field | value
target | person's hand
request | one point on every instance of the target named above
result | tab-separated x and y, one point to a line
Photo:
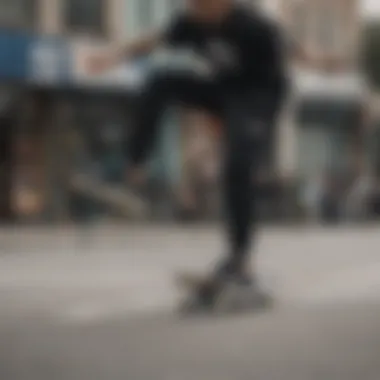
99	63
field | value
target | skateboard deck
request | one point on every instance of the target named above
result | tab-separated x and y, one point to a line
119	198
191	281
202	294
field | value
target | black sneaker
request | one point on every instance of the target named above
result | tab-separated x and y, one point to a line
238	290
228	270
226	294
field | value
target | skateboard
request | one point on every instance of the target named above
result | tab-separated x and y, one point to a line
119	198
205	295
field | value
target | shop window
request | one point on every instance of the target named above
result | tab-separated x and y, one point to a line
18	14
85	16
145	15
300	23
329	29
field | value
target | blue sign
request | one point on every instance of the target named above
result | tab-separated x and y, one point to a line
31	58
13	55
49	61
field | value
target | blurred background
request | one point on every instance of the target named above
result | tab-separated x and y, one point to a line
56	121
89	299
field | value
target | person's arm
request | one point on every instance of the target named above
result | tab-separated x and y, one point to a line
174	34
140	47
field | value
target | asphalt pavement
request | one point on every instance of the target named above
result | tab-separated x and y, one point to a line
99	303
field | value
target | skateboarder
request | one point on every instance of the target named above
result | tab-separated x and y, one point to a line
243	81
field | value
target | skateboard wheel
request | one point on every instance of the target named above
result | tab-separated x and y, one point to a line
193	305
236	299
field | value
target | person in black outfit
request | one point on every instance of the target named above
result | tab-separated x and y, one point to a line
243	81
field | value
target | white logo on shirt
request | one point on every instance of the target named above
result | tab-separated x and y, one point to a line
222	54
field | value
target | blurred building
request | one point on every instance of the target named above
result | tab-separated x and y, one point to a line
326	28
72	17
43	42
49	40
322	135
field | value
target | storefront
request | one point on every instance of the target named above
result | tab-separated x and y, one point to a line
329	134
373	135
40	126
100	112
13	72
7	115
330	147
61	122
28	64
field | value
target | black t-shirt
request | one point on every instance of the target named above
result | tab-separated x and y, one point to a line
245	51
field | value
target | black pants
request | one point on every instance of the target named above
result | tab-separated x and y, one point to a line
247	117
